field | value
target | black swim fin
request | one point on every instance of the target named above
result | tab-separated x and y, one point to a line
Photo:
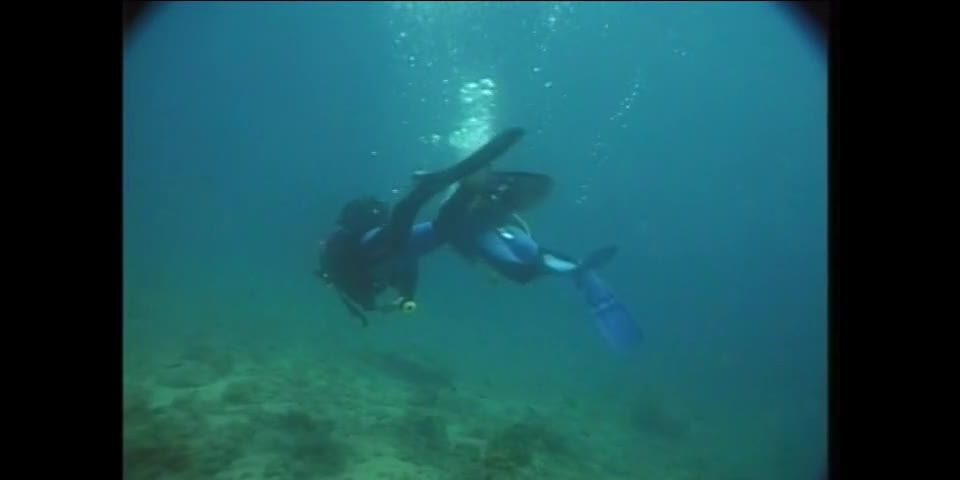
514	192
494	200
485	155
429	184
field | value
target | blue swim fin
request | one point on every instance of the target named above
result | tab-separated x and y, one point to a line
616	323
598	259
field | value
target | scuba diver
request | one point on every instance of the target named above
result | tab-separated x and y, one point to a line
374	248
483	216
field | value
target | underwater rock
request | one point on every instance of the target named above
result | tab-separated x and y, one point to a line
514	448
243	392
509	450
413	372
320	456
221	362
217	454
651	415
477	431
186	375
188	403
468	451
424	398
299	421
422	440
305	443
165	443
154	461
430	431
136	404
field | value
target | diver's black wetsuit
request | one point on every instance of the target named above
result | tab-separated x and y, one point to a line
368	252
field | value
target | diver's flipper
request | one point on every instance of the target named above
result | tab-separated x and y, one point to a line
496	199
497	146
613	319
396	233
617	325
515	191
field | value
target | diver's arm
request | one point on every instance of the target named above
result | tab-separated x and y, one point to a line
405	281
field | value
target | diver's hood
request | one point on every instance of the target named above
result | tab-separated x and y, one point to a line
363	213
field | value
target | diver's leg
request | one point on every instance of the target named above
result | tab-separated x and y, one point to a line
405	280
452	214
562	264
521	273
514	257
556	263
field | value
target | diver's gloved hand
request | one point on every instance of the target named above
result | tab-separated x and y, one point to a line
402	304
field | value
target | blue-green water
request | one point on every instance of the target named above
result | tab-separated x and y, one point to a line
692	135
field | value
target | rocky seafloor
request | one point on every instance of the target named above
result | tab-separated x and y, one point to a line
204	413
